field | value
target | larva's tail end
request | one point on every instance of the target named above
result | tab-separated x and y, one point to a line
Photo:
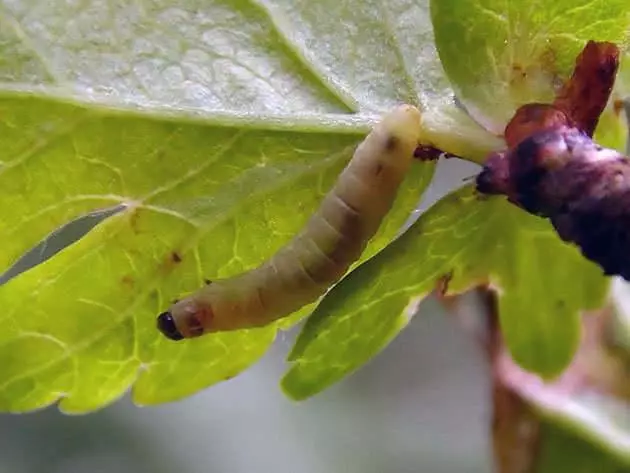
166	325
403	123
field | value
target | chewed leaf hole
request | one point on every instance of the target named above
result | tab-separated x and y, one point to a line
58	240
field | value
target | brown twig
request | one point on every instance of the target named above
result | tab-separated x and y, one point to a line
552	141
515	428
553	169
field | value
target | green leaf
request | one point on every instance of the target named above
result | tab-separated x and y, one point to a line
561	451
543	283
218	127
204	193
500	55
587	421
612	129
599	419
622	84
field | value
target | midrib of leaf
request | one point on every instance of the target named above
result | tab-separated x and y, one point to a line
408	76
308	122
8	18
443	127
151	283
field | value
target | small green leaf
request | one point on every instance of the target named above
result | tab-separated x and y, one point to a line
500	55
543	284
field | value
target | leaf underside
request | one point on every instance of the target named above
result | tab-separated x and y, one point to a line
511	53
473	240
218	128
497	56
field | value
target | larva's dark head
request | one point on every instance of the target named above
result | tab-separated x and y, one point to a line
166	325
184	319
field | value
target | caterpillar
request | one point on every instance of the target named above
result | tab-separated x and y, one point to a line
334	237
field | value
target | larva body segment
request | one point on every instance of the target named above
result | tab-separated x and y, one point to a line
334	237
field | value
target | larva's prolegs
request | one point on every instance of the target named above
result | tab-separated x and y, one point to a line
319	255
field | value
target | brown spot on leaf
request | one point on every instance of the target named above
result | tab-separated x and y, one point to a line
441	286
133	221
449	301
518	75
127	281
170	260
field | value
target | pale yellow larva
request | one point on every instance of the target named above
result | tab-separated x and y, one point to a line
320	255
